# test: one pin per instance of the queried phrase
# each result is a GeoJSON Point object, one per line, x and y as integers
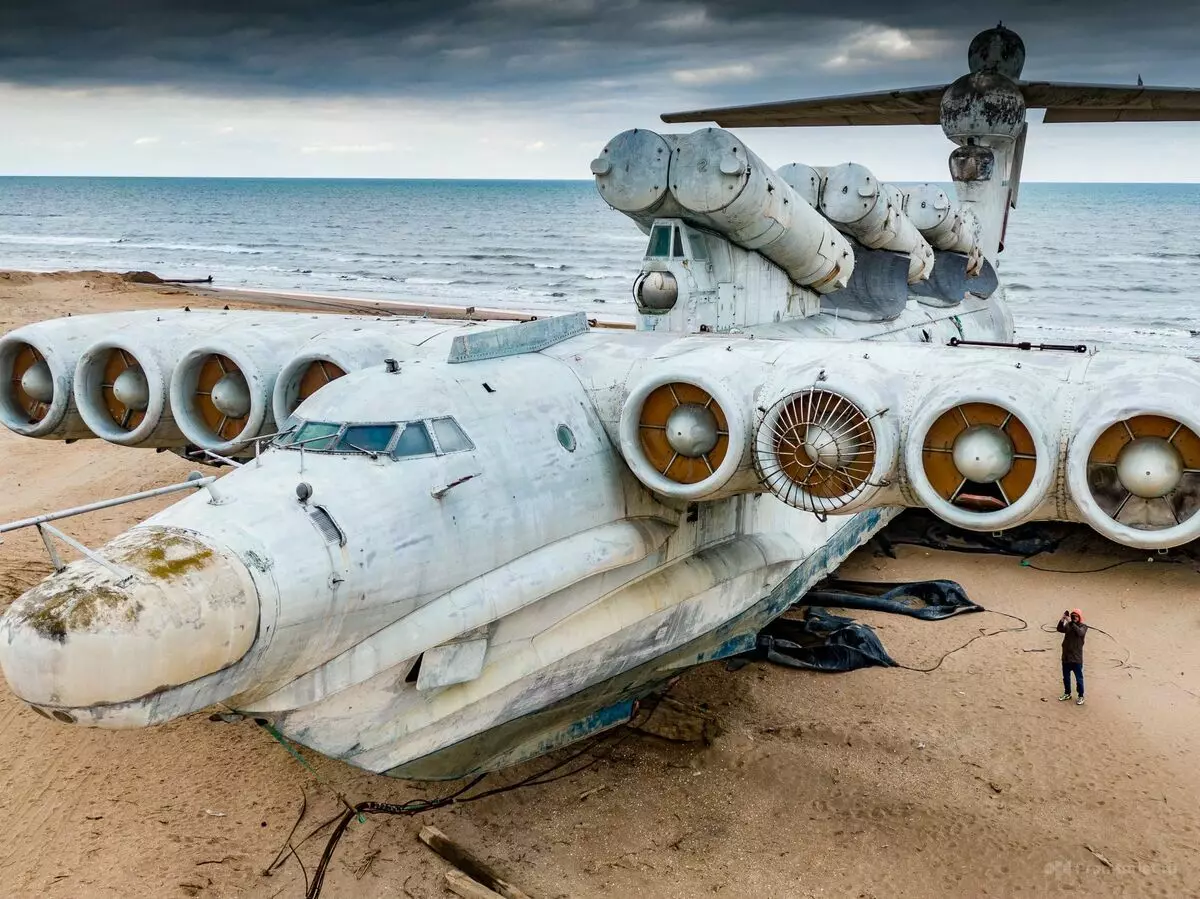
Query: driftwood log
{"type": "Point", "coordinates": [462, 885]}
{"type": "Point", "coordinates": [468, 864]}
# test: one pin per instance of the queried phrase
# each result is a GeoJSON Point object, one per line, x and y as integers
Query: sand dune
{"type": "Point", "coordinates": [968, 781]}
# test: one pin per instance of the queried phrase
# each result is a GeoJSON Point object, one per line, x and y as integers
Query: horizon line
{"type": "Point", "coordinates": [475, 180]}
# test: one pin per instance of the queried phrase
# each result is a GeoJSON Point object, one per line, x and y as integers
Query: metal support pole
{"type": "Point", "coordinates": [43, 531]}
{"type": "Point", "coordinates": [228, 461]}
{"type": "Point", "coordinates": [123, 573]}
{"type": "Point", "coordinates": [105, 504]}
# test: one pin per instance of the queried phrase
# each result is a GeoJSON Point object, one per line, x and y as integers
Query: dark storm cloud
{"type": "Point", "coordinates": [547, 49]}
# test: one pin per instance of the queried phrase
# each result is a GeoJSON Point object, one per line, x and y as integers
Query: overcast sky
{"type": "Point", "coordinates": [534, 88]}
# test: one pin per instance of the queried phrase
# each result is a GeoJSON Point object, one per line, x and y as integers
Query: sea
{"type": "Point", "coordinates": [1106, 264]}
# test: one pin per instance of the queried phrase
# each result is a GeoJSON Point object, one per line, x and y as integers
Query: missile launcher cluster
{"type": "Point", "coordinates": [809, 221]}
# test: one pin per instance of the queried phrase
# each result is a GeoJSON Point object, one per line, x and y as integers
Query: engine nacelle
{"type": "Point", "coordinates": [122, 381]}
{"type": "Point", "coordinates": [222, 388]}
{"type": "Point", "coordinates": [831, 447]}
{"type": "Point", "coordinates": [332, 354]}
{"type": "Point", "coordinates": [685, 434]}
{"type": "Point", "coordinates": [1133, 464]}
{"type": "Point", "coordinates": [37, 373]}
{"type": "Point", "coordinates": [983, 458]}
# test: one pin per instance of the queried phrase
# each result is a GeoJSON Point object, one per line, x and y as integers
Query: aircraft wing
{"type": "Point", "coordinates": [908, 106]}
{"type": "Point", "coordinates": [922, 105]}
{"type": "Point", "coordinates": [1112, 103]}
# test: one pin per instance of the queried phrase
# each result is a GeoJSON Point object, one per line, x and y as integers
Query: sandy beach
{"type": "Point", "coordinates": [971, 780]}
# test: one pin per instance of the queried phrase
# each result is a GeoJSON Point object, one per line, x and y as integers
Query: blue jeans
{"type": "Point", "coordinates": [1068, 667]}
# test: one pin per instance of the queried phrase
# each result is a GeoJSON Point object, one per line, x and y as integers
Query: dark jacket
{"type": "Point", "coordinates": [1072, 652]}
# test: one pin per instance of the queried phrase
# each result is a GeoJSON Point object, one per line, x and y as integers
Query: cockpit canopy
{"type": "Point", "coordinates": [667, 241]}
{"type": "Point", "coordinates": [404, 439]}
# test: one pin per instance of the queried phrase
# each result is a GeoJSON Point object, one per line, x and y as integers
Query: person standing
{"type": "Point", "coordinates": [1074, 630]}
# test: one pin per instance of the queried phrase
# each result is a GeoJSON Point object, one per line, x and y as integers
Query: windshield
{"type": "Point", "coordinates": [403, 439]}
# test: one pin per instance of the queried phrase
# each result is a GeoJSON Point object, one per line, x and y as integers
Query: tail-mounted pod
{"type": "Point", "coordinates": [981, 460]}
{"type": "Point", "coordinates": [685, 435]}
{"type": "Point", "coordinates": [1133, 467]}
{"type": "Point", "coordinates": [829, 448]}
{"type": "Point", "coordinates": [37, 372]}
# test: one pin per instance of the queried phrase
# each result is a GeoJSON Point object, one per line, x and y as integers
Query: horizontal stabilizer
{"type": "Point", "coordinates": [922, 106]}
{"type": "Point", "coordinates": [910, 106]}
{"type": "Point", "coordinates": [1112, 103]}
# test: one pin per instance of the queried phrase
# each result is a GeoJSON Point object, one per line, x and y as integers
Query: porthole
{"type": "Point", "coordinates": [567, 438]}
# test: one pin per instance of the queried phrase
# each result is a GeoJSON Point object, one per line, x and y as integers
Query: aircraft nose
{"type": "Point", "coordinates": [177, 610]}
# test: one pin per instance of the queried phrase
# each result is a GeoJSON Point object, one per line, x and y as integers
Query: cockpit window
{"type": "Point", "coordinates": [365, 438]}
{"type": "Point", "coordinates": [316, 435]}
{"type": "Point", "coordinates": [660, 241]}
{"type": "Point", "coordinates": [699, 247]}
{"type": "Point", "coordinates": [450, 436]}
{"type": "Point", "coordinates": [677, 252]}
{"type": "Point", "coordinates": [283, 438]}
{"type": "Point", "coordinates": [414, 441]}
{"type": "Point", "coordinates": [415, 438]}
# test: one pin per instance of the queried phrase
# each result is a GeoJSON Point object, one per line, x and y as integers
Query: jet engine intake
{"type": "Point", "coordinates": [978, 462]}
{"type": "Point", "coordinates": [1136, 478]}
{"type": "Point", "coordinates": [684, 435]}
{"type": "Point", "coordinates": [335, 354]}
{"type": "Point", "coordinates": [221, 398]}
{"type": "Point", "coordinates": [37, 372]}
{"type": "Point", "coordinates": [826, 449]}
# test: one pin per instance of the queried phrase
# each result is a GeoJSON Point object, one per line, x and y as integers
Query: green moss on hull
{"type": "Point", "coordinates": [156, 559]}
{"type": "Point", "coordinates": [75, 608]}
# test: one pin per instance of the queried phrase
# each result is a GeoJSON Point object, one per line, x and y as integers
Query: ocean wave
{"type": "Point", "coordinates": [429, 281]}
{"type": "Point", "coordinates": [56, 240]}
{"type": "Point", "coordinates": [229, 249]}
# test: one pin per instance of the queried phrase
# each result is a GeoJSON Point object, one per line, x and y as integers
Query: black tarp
{"type": "Point", "coordinates": [822, 641]}
{"type": "Point", "coordinates": [920, 527]}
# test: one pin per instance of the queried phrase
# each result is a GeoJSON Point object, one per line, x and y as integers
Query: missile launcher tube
{"type": "Point", "coordinates": [804, 180]}
{"type": "Point", "coordinates": [712, 180]}
{"type": "Point", "coordinates": [859, 204]}
{"type": "Point", "coordinates": [632, 173]}
{"type": "Point", "coordinates": [944, 222]}
{"type": "Point", "coordinates": [715, 175]}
